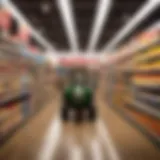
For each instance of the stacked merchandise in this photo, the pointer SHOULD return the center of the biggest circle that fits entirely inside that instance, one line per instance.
(145, 80)
(20, 99)
(16, 76)
(25, 83)
(10, 89)
(138, 78)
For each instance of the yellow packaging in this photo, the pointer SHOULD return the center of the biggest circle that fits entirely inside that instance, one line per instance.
(148, 54)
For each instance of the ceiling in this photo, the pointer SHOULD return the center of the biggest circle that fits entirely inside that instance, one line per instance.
(47, 20)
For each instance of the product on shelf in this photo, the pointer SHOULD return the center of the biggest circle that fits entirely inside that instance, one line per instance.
(140, 86)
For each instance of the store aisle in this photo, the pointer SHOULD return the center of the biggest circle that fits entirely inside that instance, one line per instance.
(47, 138)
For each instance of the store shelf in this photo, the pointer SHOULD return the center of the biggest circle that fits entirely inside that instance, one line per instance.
(147, 47)
(4, 41)
(150, 97)
(145, 124)
(9, 93)
(152, 54)
(146, 81)
(140, 74)
(10, 50)
(11, 123)
(148, 86)
(11, 100)
(9, 129)
(16, 98)
(145, 108)
(154, 71)
(6, 114)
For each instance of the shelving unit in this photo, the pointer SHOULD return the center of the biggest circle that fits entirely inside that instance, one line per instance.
(147, 109)
(138, 78)
(12, 95)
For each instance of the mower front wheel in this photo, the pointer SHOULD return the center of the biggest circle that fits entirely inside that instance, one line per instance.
(65, 114)
(92, 114)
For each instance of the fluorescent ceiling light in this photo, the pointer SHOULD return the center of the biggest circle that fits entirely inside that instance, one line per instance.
(102, 12)
(65, 8)
(138, 18)
(19, 16)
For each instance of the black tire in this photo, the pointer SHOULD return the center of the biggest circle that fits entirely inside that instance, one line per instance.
(92, 114)
(79, 116)
(64, 114)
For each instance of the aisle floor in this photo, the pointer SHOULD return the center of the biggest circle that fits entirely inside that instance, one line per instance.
(45, 137)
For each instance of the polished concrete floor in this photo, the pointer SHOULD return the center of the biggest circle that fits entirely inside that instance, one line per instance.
(46, 137)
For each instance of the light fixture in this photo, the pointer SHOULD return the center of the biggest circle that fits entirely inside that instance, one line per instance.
(65, 8)
(101, 16)
(18, 15)
(138, 18)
